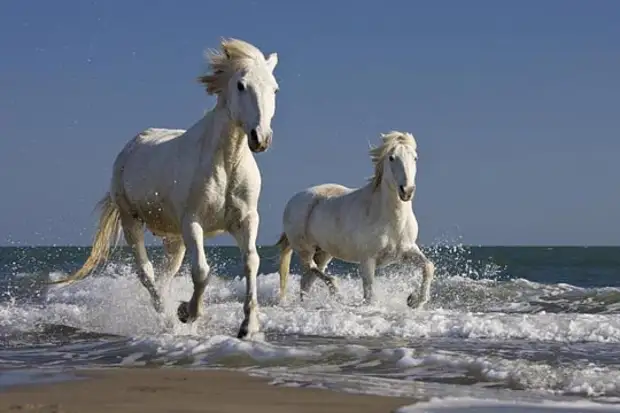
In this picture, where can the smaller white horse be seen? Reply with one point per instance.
(372, 226)
(185, 186)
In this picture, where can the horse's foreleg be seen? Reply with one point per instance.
(175, 252)
(193, 236)
(367, 273)
(245, 235)
(134, 235)
(428, 272)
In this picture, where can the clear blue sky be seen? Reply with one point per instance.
(514, 106)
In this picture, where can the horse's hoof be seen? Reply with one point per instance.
(415, 303)
(249, 328)
(411, 301)
(246, 335)
(368, 301)
(183, 312)
(245, 332)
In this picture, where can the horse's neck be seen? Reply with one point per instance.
(223, 141)
(387, 208)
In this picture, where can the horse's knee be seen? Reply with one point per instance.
(430, 268)
(252, 261)
(146, 276)
(200, 273)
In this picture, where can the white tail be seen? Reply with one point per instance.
(109, 228)
(286, 253)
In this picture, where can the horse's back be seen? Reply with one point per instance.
(306, 199)
(155, 136)
(332, 218)
(151, 155)
(152, 172)
(299, 208)
(147, 143)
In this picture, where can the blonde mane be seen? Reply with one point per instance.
(378, 154)
(234, 56)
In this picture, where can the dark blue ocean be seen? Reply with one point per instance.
(503, 322)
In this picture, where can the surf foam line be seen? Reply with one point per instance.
(120, 305)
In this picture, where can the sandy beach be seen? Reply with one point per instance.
(142, 390)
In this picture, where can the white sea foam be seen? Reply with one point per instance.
(473, 405)
(120, 305)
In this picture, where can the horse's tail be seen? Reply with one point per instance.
(286, 252)
(109, 228)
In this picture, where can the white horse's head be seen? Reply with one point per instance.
(243, 80)
(395, 163)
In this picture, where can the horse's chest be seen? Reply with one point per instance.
(213, 204)
(391, 250)
(224, 202)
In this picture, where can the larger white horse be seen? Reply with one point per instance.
(372, 226)
(184, 186)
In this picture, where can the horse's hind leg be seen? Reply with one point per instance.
(134, 235)
(322, 260)
(174, 248)
(314, 264)
(308, 277)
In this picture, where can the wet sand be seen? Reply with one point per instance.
(143, 390)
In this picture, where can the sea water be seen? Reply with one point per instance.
(505, 325)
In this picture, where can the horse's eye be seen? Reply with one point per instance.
(391, 158)
(240, 86)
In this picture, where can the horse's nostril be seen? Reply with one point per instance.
(254, 135)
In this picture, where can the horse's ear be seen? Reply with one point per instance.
(272, 61)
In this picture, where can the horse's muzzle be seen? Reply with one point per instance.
(258, 143)
(405, 193)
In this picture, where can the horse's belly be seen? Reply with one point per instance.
(341, 251)
(330, 238)
(160, 218)
(385, 258)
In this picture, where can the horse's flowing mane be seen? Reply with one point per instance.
(234, 56)
(378, 154)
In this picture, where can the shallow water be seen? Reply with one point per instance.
(504, 323)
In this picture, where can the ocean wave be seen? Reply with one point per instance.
(490, 333)
(460, 308)
(329, 363)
